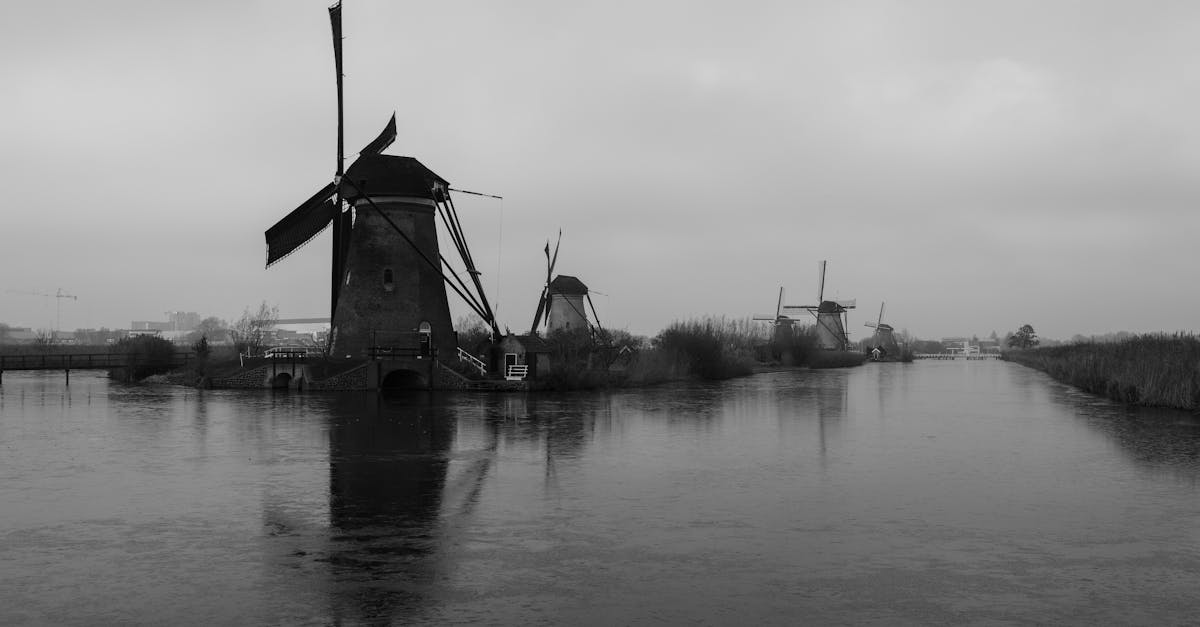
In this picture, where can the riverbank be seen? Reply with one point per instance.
(1152, 370)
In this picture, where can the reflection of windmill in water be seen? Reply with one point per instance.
(883, 344)
(561, 307)
(388, 278)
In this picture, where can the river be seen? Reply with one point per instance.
(925, 493)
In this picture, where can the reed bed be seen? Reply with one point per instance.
(709, 348)
(1159, 370)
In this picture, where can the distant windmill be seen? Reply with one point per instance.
(830, 326)
(561, 305)
(777, 318)
(388, 278)
(782, 327)
(884, 338)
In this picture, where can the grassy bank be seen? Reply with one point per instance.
(1154, 370)
(711, 348)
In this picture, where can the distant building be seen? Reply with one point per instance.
(18, 335)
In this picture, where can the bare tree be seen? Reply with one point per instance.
(251, 331)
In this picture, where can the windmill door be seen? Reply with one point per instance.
(425, 339)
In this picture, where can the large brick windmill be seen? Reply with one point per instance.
(829, 314)
(388, 278)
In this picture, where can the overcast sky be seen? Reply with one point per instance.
(976, 165)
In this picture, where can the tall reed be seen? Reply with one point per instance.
(1161, 370)
(703, 348)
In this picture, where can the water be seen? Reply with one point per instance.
(935, 492)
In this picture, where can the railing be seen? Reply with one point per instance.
(392, 352)
(298, 353)
(516, 372)
(959, 355)
(86, 361)
(473, 360)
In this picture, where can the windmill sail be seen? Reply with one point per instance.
(301, 225)
(385, 139)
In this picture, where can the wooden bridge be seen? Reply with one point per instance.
(969, 356)
(89, 361)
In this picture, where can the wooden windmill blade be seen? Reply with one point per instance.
(594, 314)
(542, 315)
(821, 282)
(541, 306)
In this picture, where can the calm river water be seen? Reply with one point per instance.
(934, 492)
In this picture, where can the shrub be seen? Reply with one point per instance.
(145, 355)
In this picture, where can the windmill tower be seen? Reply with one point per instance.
(564, 302)
(884, 338)
(388, 277)
(782, 325)
(829, 314)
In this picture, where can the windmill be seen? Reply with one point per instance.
(388, 279)
(830, 326)
(782, 328)
(884, 339)
(782, 322)
(561, 305)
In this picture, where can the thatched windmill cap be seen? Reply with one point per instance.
(386, 175)
(568, 286)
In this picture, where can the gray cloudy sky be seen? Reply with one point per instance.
(976, 165)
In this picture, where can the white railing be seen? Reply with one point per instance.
(516, 372)
(473, 360)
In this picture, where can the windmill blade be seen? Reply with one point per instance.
(554, 261)
(779, 306)
(335, 23)
(870, 324)
(881, 304)
(537, 316)
(385, 139)
(821, 282)
(595, 316)
(541, 307)
(301, 225)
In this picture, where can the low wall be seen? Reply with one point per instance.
(355, 378)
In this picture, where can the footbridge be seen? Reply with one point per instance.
(90, 361)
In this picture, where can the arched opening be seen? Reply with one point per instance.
(426, 335)
(281, 381)
(389, 282)
(403, 380)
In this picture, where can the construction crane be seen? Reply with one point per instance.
(58, 296)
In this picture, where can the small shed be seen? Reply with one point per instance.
(520, 356)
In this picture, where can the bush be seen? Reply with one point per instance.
(707, 348)
(145, 355)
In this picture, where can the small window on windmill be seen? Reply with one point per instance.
(389, 283)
